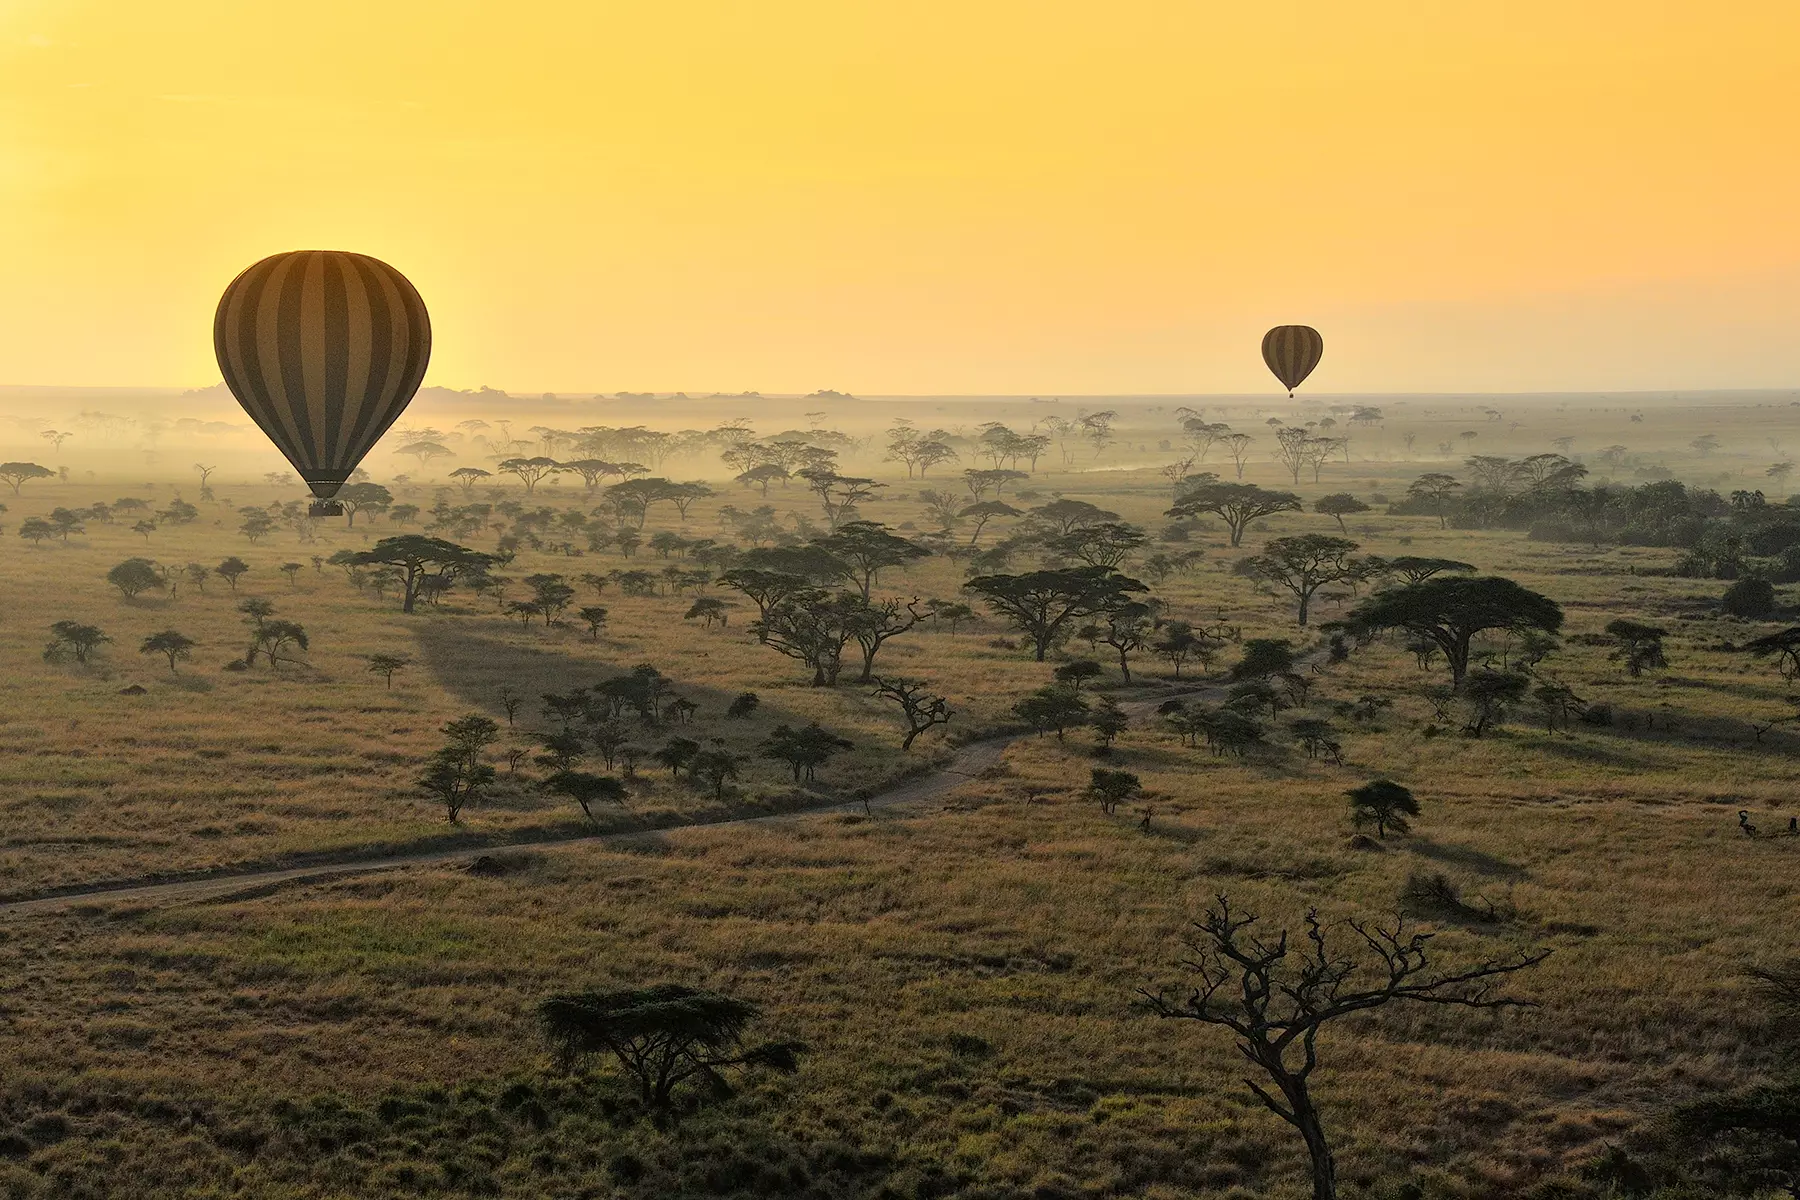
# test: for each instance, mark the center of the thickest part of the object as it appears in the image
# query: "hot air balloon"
(1292, 351)
(324, 349)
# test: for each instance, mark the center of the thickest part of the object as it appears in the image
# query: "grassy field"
(965, 978)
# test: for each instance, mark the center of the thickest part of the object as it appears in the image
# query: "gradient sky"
(927, 197)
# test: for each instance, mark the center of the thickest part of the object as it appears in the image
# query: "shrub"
(1749, 598)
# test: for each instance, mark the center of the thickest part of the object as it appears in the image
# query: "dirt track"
(968, 762)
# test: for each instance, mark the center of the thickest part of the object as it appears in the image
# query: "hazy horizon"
(995, 199)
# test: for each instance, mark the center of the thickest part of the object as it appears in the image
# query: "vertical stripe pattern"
(1292, 351)
(324, 349)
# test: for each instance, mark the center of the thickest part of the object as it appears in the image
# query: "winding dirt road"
(969, 761)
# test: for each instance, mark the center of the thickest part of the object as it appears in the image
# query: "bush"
(1597, 714)
(1749, 598)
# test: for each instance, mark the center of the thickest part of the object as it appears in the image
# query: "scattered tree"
(134, 576)
(804, 750)
(386, 665)
(1306, 563)
(1339, 505)
(1237, 504)
(1043, 603)
(231, 570)
(456, 774)
(1383, 804)
(170, 643)
(661, 1037)
(72, 639)
(1053, 708)
(20, 473)
(1278, 999)
(1448, 613)
(920, 708)
(587, 790)
(1640, 645)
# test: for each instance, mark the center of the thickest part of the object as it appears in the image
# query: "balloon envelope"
(1292, 351)
(324, 349)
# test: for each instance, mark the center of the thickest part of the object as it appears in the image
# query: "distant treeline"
(1743, 534)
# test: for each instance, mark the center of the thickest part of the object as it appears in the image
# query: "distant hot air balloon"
(1292, 351)
(324, 349)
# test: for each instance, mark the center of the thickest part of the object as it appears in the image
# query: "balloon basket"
(325, 508)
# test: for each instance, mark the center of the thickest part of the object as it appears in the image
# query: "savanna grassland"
(966, 975)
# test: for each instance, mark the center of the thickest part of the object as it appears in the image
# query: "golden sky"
(925, 197)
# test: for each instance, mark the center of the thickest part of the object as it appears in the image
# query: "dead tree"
(921, 708)
(1276, 999)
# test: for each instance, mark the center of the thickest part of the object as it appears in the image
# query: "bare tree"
(921, 708)
(1276, 999)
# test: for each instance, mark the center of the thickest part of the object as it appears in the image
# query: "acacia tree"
(456, 775)
(1416, 569)
(587, 789)
(767, 589)
(1785, 646)
(1126, 627)
(1057, 707)
(358, 497)
(1448, 613)
(169, 642)
(1277, 999)
(865, 548)
(839, 494)
(661, 1037)
(1042, 603)
(231, 570)
(984, 511)
(1306, 563)
(813, 626)
(1383, 804)
(1339, 505)
(387, 665)
(529, 471)
(1639, 644)
(1435, 489)
(1237, 504)
(1291, 446)
(920, 707)
(135, 575)
(72, 639)
(804, 750)
(19, 473)
(469, 477)
(1107, 544)
(419, 558)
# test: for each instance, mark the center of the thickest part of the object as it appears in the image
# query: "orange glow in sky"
(961, 197)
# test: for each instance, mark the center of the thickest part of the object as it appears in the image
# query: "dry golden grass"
(873, 939)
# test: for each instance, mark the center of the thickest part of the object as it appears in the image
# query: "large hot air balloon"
(1292, 351)
(324, 349)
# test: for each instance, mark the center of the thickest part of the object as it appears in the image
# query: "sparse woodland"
(1487, 719)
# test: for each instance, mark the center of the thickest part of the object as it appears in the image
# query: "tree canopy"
(1237, 504)
(419, 557)
(1450, 612)
(1042, 603)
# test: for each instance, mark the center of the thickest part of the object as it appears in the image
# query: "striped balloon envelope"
(1292, 351)
(324, 349)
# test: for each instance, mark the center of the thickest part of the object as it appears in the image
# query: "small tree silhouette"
(385, 665)
(1383, 803)
(586, 790)
(661, 1037)
(920, 708)
(169, 642)
(1277, 999)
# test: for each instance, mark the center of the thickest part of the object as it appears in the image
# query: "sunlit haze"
(923, 198)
